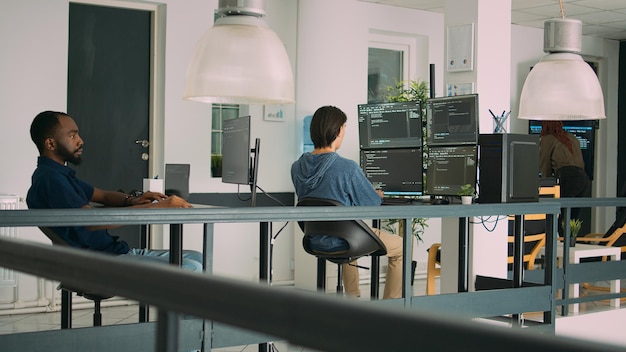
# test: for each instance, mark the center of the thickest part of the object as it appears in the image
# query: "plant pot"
(466, 199)
(216, 172)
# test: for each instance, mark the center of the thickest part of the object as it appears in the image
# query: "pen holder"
(498, 124)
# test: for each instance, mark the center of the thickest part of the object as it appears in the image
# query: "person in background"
(560, 157)
(55, 186)
(322, 173)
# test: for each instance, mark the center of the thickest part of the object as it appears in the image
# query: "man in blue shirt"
(55, 185)
(322, 173)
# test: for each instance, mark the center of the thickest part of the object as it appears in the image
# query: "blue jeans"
(192, 260)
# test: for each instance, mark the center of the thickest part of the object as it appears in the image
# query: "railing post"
(168, 324)
(518, 260)
(265, 262)
(167, 331)
(463, 264)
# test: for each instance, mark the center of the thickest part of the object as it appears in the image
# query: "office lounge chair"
(615, 236)
(66, 291)
(361, 239)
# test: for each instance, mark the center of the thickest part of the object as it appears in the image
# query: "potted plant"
(417, 227)
(574, 228)
(467, 193)
(216, 165)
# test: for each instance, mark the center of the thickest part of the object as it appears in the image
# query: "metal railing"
(307, 319)
(590, 271)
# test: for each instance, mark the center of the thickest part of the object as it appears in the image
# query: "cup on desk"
(154, 185)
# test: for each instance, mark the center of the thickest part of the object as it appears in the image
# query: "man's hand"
(149, 197)
(171, 202)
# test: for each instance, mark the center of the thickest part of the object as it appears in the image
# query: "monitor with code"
(398, 172)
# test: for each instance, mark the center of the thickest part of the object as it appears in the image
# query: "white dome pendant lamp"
(562, 86)
(240, 60)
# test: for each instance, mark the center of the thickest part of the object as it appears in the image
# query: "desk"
(580, 251)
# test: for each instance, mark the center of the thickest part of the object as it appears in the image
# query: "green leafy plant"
(574, 227)
(467, 190)
(216, 165)
(404, 91)
(395, 226)
(409, 91)
(216, 160)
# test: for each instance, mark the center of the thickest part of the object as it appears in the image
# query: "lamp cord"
(562, 9)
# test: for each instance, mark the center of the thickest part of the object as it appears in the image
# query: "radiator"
(7, 202)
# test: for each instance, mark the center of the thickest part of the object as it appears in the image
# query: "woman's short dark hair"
(43, 127)
(326, 125)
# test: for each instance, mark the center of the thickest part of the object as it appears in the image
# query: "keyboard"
(396, 201)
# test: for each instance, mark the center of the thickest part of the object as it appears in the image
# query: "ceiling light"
(240, 60)
(562, 86)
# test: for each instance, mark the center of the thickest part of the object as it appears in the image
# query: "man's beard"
(69, 156)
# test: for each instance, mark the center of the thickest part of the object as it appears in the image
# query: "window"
(385, 67)
(392, 58)
(219, 113)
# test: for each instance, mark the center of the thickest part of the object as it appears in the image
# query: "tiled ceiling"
(600, 18)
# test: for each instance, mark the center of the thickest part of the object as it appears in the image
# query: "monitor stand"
(439, 201)
(254, 172)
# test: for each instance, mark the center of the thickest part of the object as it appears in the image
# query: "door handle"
(144, 142)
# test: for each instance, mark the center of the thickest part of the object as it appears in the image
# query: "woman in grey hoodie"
(322, 173)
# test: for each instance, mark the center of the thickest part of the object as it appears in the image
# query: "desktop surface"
(418, 201)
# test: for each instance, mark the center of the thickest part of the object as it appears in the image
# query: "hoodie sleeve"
(362, 193)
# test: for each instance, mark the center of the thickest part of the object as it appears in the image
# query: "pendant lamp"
(240, 60)
(562, 86)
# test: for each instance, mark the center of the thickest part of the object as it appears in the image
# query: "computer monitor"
(452, 120)
(390, 125)
(585, 132)
(397, 171)
(449, 168)
(236, 161)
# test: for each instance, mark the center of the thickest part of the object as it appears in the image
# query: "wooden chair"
(534, 242)
(66, 291)
(534, 225)
(361, 239)
(433, 268)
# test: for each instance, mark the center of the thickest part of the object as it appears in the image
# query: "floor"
(604, 325)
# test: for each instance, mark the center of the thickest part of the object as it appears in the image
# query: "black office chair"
(66, 291)
(361, 239)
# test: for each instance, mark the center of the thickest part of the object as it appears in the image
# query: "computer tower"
(508, 169)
